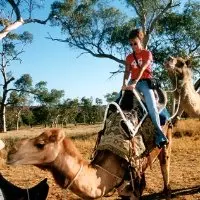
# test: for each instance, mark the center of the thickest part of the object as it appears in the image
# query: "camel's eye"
(180, 64)
(40, 145)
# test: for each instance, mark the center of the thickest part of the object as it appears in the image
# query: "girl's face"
(136, 44)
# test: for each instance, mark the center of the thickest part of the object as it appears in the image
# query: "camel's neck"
(184, 87)
(91, 182)
(64, 169)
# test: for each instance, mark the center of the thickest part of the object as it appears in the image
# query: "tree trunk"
(18, 118)
(3, 119)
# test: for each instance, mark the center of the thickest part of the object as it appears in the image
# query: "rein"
(179, 96)
(176, 86)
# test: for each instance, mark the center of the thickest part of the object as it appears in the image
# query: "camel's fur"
(53, 151)
(180, 73)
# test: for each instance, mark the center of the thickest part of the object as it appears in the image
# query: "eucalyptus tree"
(178, 34)
(18, 102)
(100, 109)
(111, 97)
(15, 13)
(86, 110)
(69, 110)
(49, 101)
(101, 29)
(10, 51)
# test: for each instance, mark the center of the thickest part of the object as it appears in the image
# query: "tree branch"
(168, 6)
(19, 20)
(98, 55)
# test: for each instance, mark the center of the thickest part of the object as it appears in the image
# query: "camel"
(180, 73)
(108, 170)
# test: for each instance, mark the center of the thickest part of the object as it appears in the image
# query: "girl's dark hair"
(136, 33)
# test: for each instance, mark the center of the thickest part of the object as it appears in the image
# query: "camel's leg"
(164, 158)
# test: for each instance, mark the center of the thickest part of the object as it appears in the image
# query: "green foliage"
(111, 96)
(28, 118)
(15, 99)
(24, 83)
(181, 31)
(40, 114)
(44, 97)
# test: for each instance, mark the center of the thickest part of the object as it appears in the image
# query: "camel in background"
(180, 73)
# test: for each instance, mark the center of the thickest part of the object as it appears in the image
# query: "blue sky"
(63, 68)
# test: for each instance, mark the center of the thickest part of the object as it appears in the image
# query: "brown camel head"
(178, 66)
(40, 150)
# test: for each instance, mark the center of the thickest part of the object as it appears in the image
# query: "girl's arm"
(126, 74)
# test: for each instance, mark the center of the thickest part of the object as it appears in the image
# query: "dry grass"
(185, 163)
(189, 127)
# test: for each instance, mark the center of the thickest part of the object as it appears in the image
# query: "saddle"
(125, 121)
(160, 95)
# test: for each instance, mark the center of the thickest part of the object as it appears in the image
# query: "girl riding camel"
(139, 65)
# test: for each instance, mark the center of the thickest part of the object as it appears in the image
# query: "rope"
(79, 171)
(179, 97)
(108, 172)
(176, 86)
(179, 100)
(70, 184)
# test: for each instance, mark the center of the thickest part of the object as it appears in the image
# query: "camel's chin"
(13, 162)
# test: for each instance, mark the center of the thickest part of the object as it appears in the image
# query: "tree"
(18, 101)
(178, 35)
(111, 96)
(11, 50)
(69, 110)
(86, 110)
(102, 30)
(49, 101)
(11, 15)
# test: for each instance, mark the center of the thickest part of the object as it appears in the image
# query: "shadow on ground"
(175, 193)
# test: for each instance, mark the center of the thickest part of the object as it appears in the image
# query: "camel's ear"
(57, 135)
(188, 63)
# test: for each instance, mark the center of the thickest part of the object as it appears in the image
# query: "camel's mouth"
(170, 63)
(12, 162)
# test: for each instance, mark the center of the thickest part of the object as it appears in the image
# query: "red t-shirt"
(142, 57)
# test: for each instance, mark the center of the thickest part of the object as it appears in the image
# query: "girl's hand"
(129, 87)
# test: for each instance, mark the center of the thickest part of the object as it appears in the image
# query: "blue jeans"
(149, 97)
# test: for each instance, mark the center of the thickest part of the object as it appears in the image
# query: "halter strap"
(77, 174)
